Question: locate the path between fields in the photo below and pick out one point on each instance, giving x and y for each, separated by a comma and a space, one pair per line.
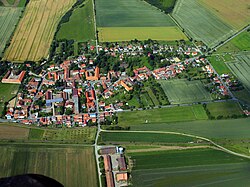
5, 2
183, 134
166, 148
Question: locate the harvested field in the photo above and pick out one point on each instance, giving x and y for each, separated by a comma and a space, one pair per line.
8, 132
9, 17
112, 34
71, 166
183, 91
200, 23
36, 29
234, 13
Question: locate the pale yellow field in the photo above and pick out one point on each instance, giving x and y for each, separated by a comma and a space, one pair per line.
111, 34
34, 34
234, 12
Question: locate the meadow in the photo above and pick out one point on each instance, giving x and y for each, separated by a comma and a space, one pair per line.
239, 43
234, 13
162, 115
137, 137
201, 24
219, 64
183, 91
7, 92
241, 68
197, 167
135, 19
80, 26
233, 129
112, 34
35, 31
9, 17
224, 109
71, 165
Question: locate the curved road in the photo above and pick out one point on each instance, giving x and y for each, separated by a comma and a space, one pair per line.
189, 135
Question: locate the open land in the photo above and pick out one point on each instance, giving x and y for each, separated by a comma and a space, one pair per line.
215, 129
36, 29
201, 24
134, 137
112, 34
183, 91
219, 63
7, 91
117, 21
9, 17
162, 115
78, 135
241, 68
188, 168
80, 26
239, 43
234, 13
224, 109
71, 166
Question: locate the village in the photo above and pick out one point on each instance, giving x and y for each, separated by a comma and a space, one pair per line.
76, 92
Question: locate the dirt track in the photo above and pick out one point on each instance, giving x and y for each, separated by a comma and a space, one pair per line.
5, 2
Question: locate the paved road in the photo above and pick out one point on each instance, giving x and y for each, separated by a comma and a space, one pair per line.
184, 134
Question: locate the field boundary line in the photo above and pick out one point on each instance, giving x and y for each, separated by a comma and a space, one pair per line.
183, 134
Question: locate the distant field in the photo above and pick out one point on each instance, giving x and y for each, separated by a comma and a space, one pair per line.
163, 115
8, 132
71, 166
7, 91
183, 91
197, 167
218, 63
112, 34
239, 43
235, 13
134, 19
81, 24
241, 68
216, 129
225, 109
132, 137
132, 13
200, 23
9, 17
36, 29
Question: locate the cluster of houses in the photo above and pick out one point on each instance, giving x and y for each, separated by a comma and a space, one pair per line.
115, 166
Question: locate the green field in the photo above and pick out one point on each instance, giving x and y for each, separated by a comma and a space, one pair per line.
201, 24
183, 91
224, 109
134, 19
9, 17
7, 91
112, 34
162, 115
132, 13
241, 68
137, 137
80, 26
70, 165
239, 43
215, 129
197, 167
218, 63
243, 95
